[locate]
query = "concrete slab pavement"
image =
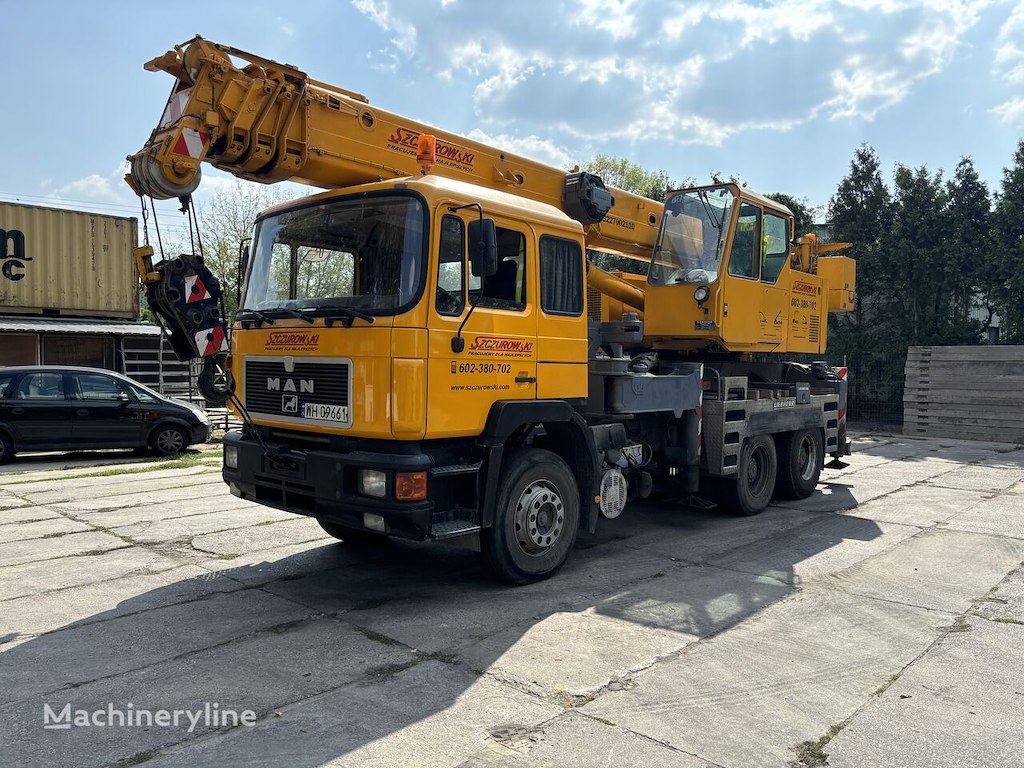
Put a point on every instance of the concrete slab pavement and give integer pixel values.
(674, 636)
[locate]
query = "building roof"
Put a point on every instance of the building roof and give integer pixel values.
(66, 325)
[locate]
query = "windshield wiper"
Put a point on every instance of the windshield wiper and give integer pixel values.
(347, 315)
(702, 195)
(252, 316)
(293, 313)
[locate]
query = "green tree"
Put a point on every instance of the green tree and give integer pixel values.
(861, 213)
(1007, 265)
(225, 220)
(969, 246)
(803, 218)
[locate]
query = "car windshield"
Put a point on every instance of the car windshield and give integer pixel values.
(692, 236)
(365, 255)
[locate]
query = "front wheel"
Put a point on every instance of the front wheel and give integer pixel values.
(6, 448)
(801, 455)
(168, 440)
(536, 518)
(752, 488)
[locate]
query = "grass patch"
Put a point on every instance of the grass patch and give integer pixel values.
(811, 753)
(185, 461)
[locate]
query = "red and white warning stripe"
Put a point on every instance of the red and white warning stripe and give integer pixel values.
(211, 341)
(195, 290)
(175, 107)
(191, 143)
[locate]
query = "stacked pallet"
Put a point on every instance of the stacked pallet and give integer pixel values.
(973, 393)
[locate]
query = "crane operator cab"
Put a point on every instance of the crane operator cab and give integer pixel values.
(722, 276)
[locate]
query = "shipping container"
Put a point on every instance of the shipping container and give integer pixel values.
(57, 262)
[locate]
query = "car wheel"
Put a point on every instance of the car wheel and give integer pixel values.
(168, 440)
(6, 448)
(353, 536)
(751, 490)
(801, 455)
(536, 518)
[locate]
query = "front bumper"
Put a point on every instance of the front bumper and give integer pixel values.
(201, 433)
(323, 484)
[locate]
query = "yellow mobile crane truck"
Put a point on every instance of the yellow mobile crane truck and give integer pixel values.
(417, 354)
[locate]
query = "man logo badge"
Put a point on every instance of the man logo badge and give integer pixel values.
(289, 403)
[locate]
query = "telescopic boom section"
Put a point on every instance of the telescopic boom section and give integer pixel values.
(268, 122)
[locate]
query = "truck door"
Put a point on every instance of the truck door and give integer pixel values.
(743, 318)
(775, 296)
(499, 359)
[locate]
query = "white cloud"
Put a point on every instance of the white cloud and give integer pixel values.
(531, 147)
(92, 188)
(685, 71)
(1009, 53)
(1011, 111)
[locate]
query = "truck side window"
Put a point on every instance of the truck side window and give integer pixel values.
(451, 266)
(507, 288)
(776, 247)
(561, 276)
(745, 256)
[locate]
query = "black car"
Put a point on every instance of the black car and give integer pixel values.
(56, 408)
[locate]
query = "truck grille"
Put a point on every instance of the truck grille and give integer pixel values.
(271, 390)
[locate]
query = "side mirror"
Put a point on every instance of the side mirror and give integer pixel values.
(483, 248)
(243, 264)
(124, 398)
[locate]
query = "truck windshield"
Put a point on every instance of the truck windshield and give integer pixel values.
(364, 255)
(692, 237)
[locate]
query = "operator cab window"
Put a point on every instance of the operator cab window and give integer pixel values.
(776, 247)
(745, 256)
(507, 288)
(451, 266)
(41, 386)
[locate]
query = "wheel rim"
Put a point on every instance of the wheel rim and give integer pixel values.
(170, 441)
(539, 518)
(806, 456)
(757, 471)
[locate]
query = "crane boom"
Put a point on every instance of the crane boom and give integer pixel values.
(265, 121)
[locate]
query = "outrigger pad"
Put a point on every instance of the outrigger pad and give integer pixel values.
(187, 298)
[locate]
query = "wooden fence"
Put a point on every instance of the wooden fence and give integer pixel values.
(973, 393)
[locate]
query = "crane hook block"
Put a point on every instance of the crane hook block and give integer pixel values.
(586, 198)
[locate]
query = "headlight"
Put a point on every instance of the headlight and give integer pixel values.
(231, 456)
(701, 294)
(372, 482)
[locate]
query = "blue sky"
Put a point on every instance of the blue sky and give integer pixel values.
(778, 93)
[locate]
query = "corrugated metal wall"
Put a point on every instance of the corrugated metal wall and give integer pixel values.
(70, 262)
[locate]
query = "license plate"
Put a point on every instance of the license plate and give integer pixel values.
(324, 412)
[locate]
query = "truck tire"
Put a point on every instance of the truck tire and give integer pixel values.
(353, 536)
(536, 518)
(751, 490)
(6, 448)
(801, 455)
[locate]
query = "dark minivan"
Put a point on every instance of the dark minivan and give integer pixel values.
(57, 408)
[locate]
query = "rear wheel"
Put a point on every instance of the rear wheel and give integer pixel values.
(536, 518)
(354, 536)
(168, 440)
(6, 448)
(801, 455)
(752, 488)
